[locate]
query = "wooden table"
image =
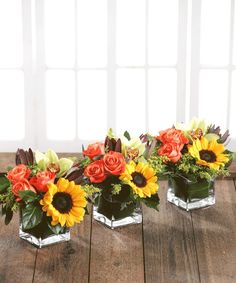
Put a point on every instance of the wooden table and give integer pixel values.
(169, 246)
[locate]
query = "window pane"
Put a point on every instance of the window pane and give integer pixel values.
(60, 105)
(12, 117)
(232, 127)
(162, 32)
(11, 47)
(213, 96)
(92, 33)
(130, 32)
(92, 105)
(162, 99)
(59, 33)
(130, 101)
(215, 31)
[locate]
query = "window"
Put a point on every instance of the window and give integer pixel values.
(82, 66)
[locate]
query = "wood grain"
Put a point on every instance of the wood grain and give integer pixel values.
(215, 233)
(17, 257)
(6, 159)
(66, 262)
(116, 255)
(169, 247)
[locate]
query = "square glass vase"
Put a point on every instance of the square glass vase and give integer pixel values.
(190, 195)
(111, 214)
(41, 236)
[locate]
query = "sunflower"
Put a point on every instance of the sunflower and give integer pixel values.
(208, 153)
(141, 178)
(64, 202)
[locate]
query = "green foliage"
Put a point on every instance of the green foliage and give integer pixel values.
(55, 229)
(9, 204)
(152, 202)
(7, 211)
(4, 184)
(9, 168)
(32, 215)
(34, 169)
(91, 192)
(127, 135)
(158, 163)
(84, 162)
(234, 155)
(188, 168)
(28, 196)
(116, 188)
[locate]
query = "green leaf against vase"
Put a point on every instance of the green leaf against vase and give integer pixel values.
(8, 215)
(3, 210)
(28, 196)
(31, 216)
(152, 202)
(4, 184)
(55, 229)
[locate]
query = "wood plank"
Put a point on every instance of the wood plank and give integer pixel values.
(169, 246)
(6, 159)
(116, 255)
(17, 257)
(215, 233)
(232, 169)
(66, 262)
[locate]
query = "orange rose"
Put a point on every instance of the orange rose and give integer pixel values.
(114, 163)
(173, 152)
(173, 136)
(22, 185)
(18, 173)
(93, 150)
(42, 179)
(95, 171)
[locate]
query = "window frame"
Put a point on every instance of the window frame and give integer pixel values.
(187, 67)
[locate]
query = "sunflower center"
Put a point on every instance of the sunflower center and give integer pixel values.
(62, 202)
(207, 155)
(138, 179)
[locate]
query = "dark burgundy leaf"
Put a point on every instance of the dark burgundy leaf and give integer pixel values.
(74, 175)
(31, 156)
(118, 146)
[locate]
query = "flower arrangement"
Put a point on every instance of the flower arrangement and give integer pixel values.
(48, 202)
(120, 178)
(192, 156)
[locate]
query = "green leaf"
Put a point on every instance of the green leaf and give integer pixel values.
(86, 211)
(152, 202)
(4, 184)
(28, 196)
(3, 210)
(9, 168)
(55, 229)
(9, 215)
(127, 135)
(31, 216)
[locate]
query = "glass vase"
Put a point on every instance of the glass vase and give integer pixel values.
(188, 194)
(41, 235)
(113, 215)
